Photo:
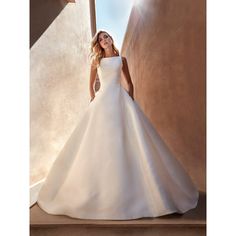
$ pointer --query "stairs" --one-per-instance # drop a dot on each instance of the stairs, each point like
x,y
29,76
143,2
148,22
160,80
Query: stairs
x,y
192,223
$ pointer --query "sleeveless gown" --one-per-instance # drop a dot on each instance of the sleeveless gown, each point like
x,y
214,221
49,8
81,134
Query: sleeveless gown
x,y
114,165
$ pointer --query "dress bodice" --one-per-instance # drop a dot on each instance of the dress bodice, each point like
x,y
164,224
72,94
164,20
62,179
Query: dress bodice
x,y
109,70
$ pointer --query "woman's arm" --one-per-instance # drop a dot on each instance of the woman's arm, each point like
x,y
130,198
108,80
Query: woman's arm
x,y
93,73
125,70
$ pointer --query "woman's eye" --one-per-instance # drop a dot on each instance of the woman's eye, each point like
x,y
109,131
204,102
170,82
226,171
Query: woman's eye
x,y
105,36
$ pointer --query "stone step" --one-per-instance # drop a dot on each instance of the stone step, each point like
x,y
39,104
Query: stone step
x,y
192,223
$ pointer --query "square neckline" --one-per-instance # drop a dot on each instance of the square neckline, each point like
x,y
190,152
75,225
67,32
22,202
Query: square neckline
x,y
109,57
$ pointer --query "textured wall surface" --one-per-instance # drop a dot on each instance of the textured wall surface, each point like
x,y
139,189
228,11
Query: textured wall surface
x,y
59,79
165,48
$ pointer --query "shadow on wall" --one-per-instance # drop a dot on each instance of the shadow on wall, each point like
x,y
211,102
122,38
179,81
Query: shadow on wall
x,y
42,14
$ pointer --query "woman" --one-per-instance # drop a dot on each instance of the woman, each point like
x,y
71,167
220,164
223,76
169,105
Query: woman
x,y
102,46
115,165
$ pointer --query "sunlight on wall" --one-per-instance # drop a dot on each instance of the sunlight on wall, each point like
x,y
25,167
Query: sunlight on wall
x,y
59,73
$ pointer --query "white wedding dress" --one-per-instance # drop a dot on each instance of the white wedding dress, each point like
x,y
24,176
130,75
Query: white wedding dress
x,y
115,166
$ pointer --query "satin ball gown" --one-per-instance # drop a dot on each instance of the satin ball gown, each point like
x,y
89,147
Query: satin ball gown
x,y
115,165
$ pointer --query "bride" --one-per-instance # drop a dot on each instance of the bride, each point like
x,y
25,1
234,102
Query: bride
x,y
102,46
115,165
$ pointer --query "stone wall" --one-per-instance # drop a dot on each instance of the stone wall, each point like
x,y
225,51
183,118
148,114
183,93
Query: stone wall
x,y
165,48
59,78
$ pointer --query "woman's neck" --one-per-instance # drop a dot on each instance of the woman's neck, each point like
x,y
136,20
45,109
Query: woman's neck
x,y
109,52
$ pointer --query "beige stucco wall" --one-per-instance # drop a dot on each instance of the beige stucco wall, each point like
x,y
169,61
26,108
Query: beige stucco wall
x,y
165,48
59,78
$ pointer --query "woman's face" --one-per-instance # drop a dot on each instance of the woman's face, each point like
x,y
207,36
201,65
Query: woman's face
x,y
104,40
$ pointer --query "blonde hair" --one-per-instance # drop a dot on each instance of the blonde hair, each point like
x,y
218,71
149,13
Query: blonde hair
x,y
96,51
